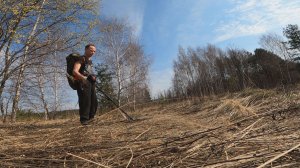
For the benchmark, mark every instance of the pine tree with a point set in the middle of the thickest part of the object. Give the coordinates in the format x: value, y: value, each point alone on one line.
x: 104, y: 84
x: 292, y: 33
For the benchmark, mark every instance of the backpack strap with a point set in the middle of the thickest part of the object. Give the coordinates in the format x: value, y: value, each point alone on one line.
x: 84, y: 63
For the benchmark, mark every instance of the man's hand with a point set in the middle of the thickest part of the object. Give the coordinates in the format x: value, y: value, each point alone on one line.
x: 91, y: 78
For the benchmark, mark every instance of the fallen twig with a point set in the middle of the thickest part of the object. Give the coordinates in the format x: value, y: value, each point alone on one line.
x: 142, y: 133
x: 88, y: 160
x: 130, y: 158
x: 278, y: 156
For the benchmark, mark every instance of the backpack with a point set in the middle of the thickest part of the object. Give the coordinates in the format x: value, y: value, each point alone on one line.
x: 71, y: 59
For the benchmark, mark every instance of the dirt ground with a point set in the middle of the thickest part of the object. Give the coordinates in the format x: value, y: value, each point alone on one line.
x: 248, y: 129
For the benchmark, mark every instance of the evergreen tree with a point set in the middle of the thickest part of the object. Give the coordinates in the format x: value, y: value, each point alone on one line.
x: 104, y: 84
x: 292, y: 33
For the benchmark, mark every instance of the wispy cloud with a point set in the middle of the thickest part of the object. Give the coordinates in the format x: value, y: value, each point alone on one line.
x: 243, y: 5
x: 253, y: 17
x: 130, y: 10
x: 188, y: 20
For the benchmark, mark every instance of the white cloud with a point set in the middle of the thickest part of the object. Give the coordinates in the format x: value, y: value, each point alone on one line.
x: 243, y: 6
x: 161, y: 80
x: 253, y: 17
x: 130, y: 10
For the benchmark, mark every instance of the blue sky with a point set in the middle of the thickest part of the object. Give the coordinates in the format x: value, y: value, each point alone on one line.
x: 163, y: 25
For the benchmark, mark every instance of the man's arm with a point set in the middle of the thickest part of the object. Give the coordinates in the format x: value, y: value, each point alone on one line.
x: 76, y: 72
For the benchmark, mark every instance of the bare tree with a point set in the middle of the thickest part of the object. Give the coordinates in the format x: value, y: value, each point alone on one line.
x: 115, y: 42
x: 138, y: 65
x: 125, y: 59
x: 236, y: 58
x: 25, y: 32
x: 275, y: 44
x: 23, y: 62
x: 184, y: 72
x: 4, y: 105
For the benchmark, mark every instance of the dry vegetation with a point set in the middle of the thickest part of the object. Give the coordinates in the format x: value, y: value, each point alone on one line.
x: 247, y: 129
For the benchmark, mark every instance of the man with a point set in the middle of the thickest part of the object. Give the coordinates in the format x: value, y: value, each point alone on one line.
x: 86, y: 92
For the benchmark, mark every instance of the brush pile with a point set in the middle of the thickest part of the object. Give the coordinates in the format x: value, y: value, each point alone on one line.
x: 255, y: 128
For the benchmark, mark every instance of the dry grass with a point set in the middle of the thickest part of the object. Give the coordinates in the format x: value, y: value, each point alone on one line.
x: 248, y: 129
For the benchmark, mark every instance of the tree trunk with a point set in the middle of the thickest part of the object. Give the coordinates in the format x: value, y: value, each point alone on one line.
x: 2, y: 110
x: 22, y: 69
x: 42, y: 96
x: 119, y: 79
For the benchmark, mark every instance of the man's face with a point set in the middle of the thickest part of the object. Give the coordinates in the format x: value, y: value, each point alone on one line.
x: 89, y: 52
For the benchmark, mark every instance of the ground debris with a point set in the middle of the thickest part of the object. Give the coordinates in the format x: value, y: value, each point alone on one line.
x: 241, y: 130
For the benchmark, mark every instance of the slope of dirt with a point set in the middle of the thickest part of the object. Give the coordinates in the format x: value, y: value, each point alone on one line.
x: 246, y: 129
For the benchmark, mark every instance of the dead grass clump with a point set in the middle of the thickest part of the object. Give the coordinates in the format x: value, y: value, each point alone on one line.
x: 234, y: 109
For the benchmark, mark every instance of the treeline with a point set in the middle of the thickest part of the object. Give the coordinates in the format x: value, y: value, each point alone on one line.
x: 210, y: 70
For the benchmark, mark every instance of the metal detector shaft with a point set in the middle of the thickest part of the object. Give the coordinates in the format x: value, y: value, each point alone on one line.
x: 110, y: 99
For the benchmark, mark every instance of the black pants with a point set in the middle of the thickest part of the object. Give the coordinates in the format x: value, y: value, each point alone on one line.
x: 87, y: 101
